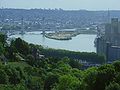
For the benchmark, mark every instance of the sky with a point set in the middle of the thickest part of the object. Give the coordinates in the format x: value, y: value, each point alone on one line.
x: 64, y: 4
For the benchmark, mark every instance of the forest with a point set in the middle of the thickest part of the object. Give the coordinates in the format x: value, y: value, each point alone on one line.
x: 26, y: 66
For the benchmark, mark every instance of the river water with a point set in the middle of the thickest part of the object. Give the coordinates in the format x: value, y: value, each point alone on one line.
x: 82, y: 42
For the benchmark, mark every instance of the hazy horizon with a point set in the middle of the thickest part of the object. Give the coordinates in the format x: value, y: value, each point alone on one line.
x: 63, y: 4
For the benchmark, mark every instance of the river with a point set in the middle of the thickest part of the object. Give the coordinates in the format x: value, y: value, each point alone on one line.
x: 82, y: 42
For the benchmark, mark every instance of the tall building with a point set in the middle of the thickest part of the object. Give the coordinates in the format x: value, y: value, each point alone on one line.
x: 109, y: 43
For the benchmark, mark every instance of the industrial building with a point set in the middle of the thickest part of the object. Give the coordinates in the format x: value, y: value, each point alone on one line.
x: 108, y: 44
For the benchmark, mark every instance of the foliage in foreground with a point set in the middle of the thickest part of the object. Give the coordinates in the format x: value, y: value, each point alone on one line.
x: 22, y: 68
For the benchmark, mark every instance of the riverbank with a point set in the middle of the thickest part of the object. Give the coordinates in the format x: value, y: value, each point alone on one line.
x: 62, y: 35
x: 81, y: 42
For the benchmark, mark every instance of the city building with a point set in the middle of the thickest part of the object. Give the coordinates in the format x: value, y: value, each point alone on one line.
x: 109, y: 43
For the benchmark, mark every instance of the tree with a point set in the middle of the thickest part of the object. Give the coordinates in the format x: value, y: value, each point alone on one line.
x: 31, y: 60
x: 3, y: 77
x: 1, y: 49
x: 75, y: 63
x: 68, y: 82
x: 21, y: 46
x: 116, y: 64
x: 14, y: 75
x: 34, y: 83
x: 2, y: 38
x: 113, y: 86
x: 89, y: 78
x: 50, y: 81
x: 106, y: 74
